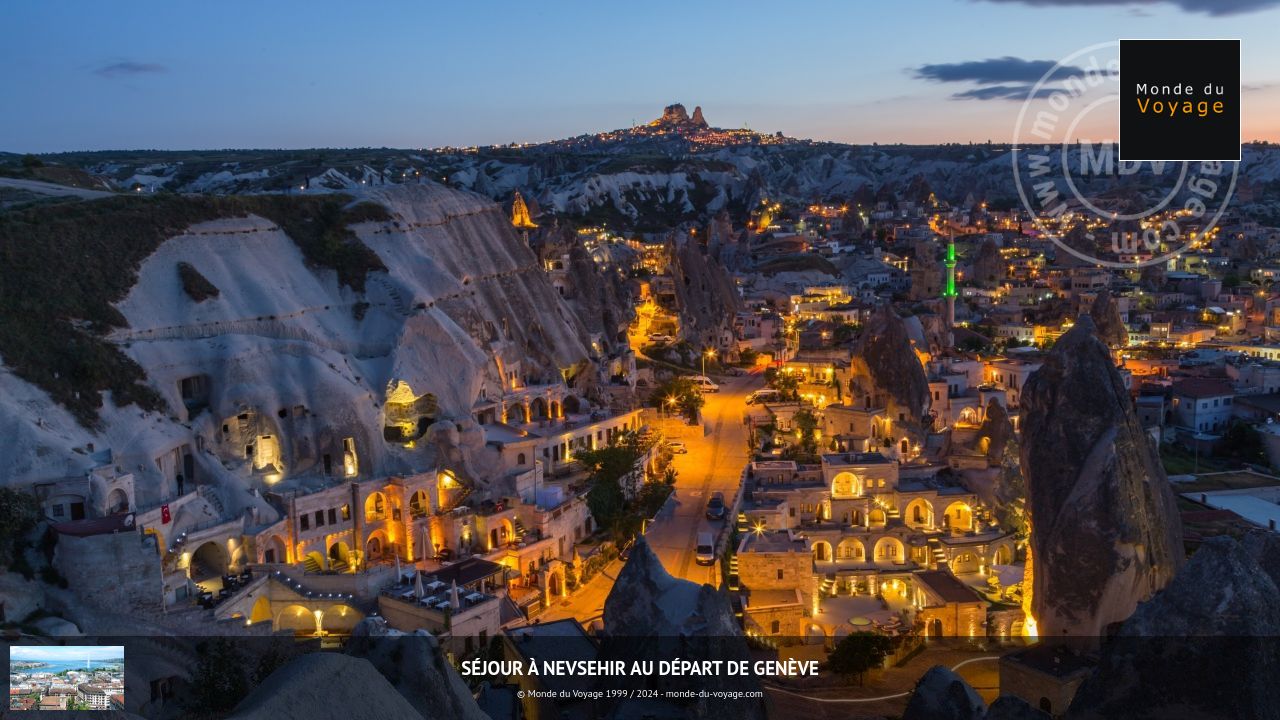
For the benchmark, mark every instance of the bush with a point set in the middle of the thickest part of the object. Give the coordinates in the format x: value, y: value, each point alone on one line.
x: 197, y: 286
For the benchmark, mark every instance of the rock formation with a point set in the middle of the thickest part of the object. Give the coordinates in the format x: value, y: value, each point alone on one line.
x: 988, y: 266
x: 1105, y: 530
x: 706, y: 296
x: 885, y: 362
x: 650, y: 615
x: 1204, y: 647
x: 697, y: 120
x: 943, y: 695
x: 327, y: 686
x: 415, y: 666
x: 1106, y: 317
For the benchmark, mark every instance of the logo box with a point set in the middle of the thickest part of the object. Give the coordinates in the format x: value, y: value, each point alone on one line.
x: 1180, y: 100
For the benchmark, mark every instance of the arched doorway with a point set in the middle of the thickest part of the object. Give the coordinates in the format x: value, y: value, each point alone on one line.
x: 876, y: 518
x: 1003, y: 555
x: 297, y: 619
x: 419, y: 505
x: 814, y: 635
x: 375, y: 507
x: 275, y: 551
x: 850, y: 549
x: 572, y: 404
x: 376, y: 546
x: 959, y: 516
x: 919, y: 514
x: 538, y: 409
x: 340, y: 619
x: 117, y: 501
x: 889, y: 549
x: 935, y: 628
x: 209, y: 562
x: 822, y: 551
x: 339, y: 556
x: 314, y: 562
x: 261, y: 611
x: 844, y: 484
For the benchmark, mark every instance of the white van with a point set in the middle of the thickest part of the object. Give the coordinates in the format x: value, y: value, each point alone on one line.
x: 703, y: 383
x: 706, y: 550
x: 763, y: 396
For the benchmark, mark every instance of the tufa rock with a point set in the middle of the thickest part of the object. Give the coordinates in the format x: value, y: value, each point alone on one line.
x: 1203, y: 647
x: 325, y: 686
x: 416, y: 668
x: 885, y: 359
x: 941, y: 694
x: 1106, y: 317
x: 1105, y: 530
x: 988, y: 266
x: 650, y: 615
x: 697, y: 119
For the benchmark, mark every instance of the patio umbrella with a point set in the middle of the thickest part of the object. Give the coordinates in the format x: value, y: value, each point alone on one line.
x: 417, y: 585
x: 453, y: 595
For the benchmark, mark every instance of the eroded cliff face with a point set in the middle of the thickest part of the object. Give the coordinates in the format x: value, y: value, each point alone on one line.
x: 705, y: 294
x: 1105, y: 530
x: 1106, y: 317
x: 287, y: 369
x: 1206, y: 646
x: 884, y: 361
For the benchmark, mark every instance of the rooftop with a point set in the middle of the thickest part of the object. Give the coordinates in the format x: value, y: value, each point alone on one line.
x: 1202, y: 388
x: 945, y: 586
x: 867, y: 458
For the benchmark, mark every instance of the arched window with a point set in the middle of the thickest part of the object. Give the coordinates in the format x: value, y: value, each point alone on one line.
x: 1046, y: 705
x: 520, y: 459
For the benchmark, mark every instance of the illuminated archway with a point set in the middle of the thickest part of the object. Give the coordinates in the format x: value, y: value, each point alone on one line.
x: 117, y: 501
x: 341, y: 619
x: 210, y: 560
x: 375, y: 507
x: 845, y: 485
x: 261, y: 611
x: 959, y: 516
x: 876, y: 518
x: 297, y: 619
x: 1003, y: 555
x: 814, y: 634
x: 275, y: 551
x: 419, y: 505
x: 889, y: 549
x: 822, y: 551
x: 850, y: 549
x: 919, y: 514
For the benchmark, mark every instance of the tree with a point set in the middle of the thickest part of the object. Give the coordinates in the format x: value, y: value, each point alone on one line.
x: 679, y: 393
x: 857, y: 653
x: 787, y: 384
x: 219, y: 683
x: 19, y: 512
x: 1243, y: 443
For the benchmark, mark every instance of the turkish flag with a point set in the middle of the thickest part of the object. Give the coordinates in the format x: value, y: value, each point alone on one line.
x: 164, y: 514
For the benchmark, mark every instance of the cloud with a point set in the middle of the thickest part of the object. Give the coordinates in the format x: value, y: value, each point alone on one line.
x: 65, y: 653
x: 1208, y: 7
x: 1004, y: 78
x: 1001, y: 92
x: 120, y: 68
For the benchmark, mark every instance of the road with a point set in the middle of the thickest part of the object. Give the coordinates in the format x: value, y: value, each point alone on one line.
x: 717, y: 454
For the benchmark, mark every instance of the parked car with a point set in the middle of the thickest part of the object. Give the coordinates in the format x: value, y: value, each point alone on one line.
x: 706, y: 549
x: 715, y: 507
x: 659, y: 338
x: 676, y: 447
x: 765, y: 395
x: 703, y: 383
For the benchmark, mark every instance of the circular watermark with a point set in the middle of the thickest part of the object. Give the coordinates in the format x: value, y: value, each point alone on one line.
x: 1083, y: 197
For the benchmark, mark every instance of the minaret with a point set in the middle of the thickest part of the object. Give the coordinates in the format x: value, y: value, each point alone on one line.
x: 950, y: 292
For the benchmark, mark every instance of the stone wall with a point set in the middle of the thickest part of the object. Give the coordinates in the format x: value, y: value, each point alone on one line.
x: 759, y: 570
x: 117, y: 571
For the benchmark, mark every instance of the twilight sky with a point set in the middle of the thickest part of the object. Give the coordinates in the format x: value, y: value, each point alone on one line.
x: 88, y: 75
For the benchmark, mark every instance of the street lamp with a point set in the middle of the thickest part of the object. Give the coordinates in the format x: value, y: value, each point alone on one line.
x: 710, y: 353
